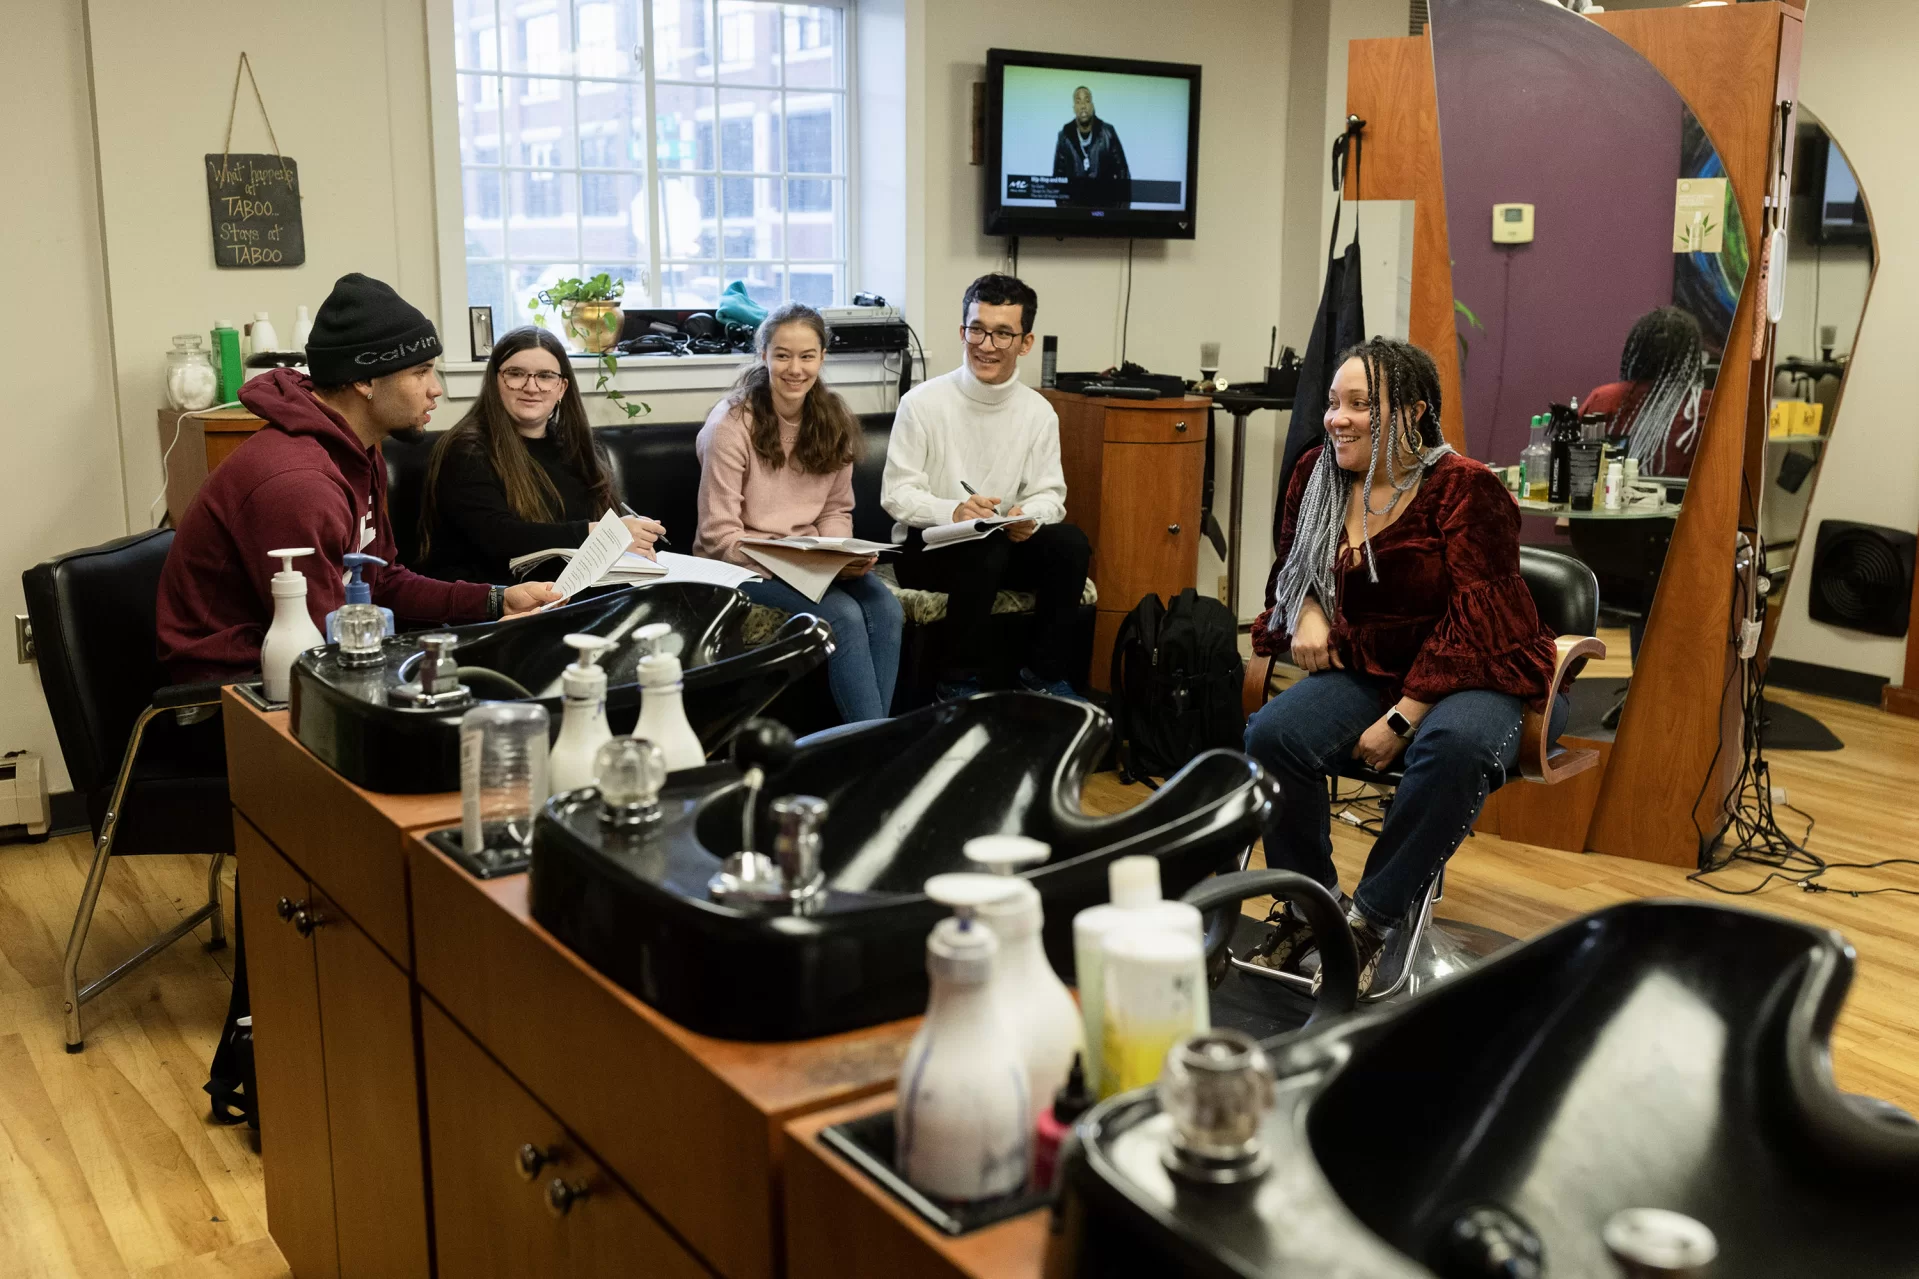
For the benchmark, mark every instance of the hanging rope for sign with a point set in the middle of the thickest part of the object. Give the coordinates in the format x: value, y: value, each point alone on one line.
x: 254, y: 200
x: 233, y: 103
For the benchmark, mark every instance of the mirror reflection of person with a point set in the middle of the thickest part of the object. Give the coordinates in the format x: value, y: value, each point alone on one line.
x: 1655, y: 410
x: 1089, y: 155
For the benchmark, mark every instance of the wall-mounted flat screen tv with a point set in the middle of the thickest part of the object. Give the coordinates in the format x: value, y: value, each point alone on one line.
x: 1090, y: 146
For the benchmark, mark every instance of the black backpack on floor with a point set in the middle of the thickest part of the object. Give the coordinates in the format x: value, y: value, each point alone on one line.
x: 1175, y: 684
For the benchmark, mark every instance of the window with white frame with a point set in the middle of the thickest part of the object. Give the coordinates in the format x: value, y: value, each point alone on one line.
x: 744, y: 177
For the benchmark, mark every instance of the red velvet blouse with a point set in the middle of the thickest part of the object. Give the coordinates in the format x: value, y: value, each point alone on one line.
x: 1450, y: 611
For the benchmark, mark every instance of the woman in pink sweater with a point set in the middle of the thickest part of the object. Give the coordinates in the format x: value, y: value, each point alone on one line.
x: 776, y: 460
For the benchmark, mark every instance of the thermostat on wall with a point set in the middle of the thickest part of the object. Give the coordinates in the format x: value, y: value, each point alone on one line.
x: 1512, y: 224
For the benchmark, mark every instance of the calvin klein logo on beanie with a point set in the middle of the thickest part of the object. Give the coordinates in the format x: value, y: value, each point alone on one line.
x: 365, y: 330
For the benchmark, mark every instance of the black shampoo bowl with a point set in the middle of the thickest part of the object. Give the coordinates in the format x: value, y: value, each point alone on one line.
x: 905, y: 796
x: 1656, y: 1054
x: 343, y: 716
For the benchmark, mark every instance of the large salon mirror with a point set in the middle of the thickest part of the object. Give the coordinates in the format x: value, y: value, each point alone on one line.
x: 1598, y: 259
x: 1828, y: 276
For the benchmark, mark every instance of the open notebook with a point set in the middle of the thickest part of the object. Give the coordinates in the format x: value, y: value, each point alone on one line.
x: 604, y: 560
x: 809, y: 564
x: 967, y: 530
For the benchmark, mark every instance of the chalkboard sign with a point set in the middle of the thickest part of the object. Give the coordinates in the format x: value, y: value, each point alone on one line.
x: 254, y: 202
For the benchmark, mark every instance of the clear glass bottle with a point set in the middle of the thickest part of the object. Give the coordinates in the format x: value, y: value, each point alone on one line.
x: 191, y: 381
x: 503, y: 748
x: 1536, y: 462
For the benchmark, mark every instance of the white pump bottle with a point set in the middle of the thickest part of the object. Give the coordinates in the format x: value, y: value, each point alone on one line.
x: 292, y: 631
x: 1038, y: 1008
x: 583, y: 728
x: 963, y: 1127
x: 1134, y: 885
x: 662, y: 714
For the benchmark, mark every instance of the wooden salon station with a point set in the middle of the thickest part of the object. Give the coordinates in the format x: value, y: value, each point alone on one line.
x: 447, y: 1090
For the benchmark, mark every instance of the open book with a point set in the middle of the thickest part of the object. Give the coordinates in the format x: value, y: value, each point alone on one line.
x: 604, y: 560
x: 809, y: 564
x: 967, y: 530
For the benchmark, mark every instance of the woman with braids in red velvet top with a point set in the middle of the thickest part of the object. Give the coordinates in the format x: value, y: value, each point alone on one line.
x: 1397, y: 590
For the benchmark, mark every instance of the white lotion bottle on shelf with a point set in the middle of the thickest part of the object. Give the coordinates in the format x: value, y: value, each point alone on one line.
x: 302, y: 329
x: 1036, y: 1004
x: 963, y: 1129
x: 292, y: 632
x: 1133, y: 883
x: 265, y: 338
x: 662, y: 714
x: 583, y: 728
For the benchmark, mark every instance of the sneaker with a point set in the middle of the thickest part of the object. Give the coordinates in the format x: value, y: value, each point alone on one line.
x: 1370, y: 942
x: 955, y: 690
x: 1290, y: 941
x: 1057, y: 687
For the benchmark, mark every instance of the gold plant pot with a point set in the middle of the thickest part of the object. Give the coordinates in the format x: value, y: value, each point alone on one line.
x: 594, y: 325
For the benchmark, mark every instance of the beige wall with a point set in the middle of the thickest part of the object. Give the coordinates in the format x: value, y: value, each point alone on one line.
x: 1856, y: 73
x: 59, y: 440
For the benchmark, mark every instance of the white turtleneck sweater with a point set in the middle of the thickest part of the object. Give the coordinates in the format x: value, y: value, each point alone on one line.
x: 1002, y: 439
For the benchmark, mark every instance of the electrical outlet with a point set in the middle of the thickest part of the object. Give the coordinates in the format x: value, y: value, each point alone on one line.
x: 1223, y: 580
x: 23, y: 638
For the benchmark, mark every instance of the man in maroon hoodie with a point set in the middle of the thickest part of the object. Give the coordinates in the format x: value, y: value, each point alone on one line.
x: 313, y: 476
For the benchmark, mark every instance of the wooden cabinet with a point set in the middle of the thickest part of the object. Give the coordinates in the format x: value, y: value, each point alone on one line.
x: 514, y: 1193
x: 198, y: 444
x: 340, y: 1105
x: 1134, y: 470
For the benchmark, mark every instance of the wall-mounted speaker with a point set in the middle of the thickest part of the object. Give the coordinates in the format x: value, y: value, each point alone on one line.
x: 1862, y: 577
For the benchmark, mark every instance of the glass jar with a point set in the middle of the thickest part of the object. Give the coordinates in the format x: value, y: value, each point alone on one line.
x: 503, y: 749
x: 191, y: 381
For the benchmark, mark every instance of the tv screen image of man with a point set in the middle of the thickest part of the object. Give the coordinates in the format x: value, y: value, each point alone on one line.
x: 1089, y: 156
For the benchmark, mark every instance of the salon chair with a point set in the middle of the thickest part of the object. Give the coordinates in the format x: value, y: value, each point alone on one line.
x: 94, y: 629
x: 1423, y: 951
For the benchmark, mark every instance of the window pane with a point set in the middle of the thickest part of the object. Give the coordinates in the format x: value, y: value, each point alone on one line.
x: 813, y: 131
x: 689, y: 284
x: 811, y: 195
x: 485, y: 286
x: 685, y: 127
x: 682, y: 39
x: 479, y: 97
x: 485, y: 235
x: 815, y: 218
x: 750, y: 130
x: 611, y: 125
x: 541, y: 216
x: 539, y: 37
x: 539, y: 123
x: 752, y: 221
x: 688, y: 225
x: 613, y: 216
x: 608, y: 38
x: 749, y: 42
x: 763, y: 280
x: 633, y: 273
x: 816, y: 286
x: 812, y: 47
x: 476, y: 44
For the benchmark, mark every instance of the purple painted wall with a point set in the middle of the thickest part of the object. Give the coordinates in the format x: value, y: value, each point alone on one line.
x: 1539, y: 106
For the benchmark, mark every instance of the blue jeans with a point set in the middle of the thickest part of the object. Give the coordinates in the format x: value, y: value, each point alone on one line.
x: 866, y: 622
x: 1463, y: 751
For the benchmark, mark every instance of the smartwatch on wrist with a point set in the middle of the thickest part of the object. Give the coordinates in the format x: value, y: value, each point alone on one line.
x: 1399, y: 723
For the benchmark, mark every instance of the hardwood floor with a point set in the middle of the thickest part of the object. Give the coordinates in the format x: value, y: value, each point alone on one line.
x: 109, y: 1167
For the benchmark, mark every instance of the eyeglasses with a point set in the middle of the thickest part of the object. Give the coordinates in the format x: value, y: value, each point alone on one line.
x: 1002, y: 338
x: 516, y: 379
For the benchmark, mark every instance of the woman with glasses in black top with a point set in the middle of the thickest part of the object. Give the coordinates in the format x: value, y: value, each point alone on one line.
x: 520, y: 473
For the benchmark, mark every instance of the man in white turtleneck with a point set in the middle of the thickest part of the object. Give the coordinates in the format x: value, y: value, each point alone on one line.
x: 964, y: 445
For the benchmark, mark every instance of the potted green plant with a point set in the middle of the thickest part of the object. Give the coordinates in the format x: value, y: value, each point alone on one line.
x: 590, y: 311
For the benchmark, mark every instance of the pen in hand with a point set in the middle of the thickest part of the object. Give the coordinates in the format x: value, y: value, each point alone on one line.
x: 659, y: 541
x: 973, y: 492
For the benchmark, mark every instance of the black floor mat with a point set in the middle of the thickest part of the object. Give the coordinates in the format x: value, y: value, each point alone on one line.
x: 1786, y: 729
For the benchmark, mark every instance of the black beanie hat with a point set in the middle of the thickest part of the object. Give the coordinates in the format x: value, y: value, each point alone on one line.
x: 365, y: 330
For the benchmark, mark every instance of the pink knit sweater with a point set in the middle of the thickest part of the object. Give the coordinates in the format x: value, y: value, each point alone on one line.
x: 740, y: 496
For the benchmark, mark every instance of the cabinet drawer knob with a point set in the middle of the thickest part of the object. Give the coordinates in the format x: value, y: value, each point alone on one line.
x: 529, y: 1159
x: 306, y: 920
x: 1179, y: 426
x: 287, y: 907
x: 561, y: 1196
x: 1173, y: 529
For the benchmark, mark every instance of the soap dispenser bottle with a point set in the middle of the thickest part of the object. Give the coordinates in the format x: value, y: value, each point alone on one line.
x: 1037, y: 1006
x: 662, y: 713
x: 963, y: 1130
x: 1133, y: 883
x: 292, y: 631
x: 302, y: 329
x: 583, y: 728
x: 357, y: 592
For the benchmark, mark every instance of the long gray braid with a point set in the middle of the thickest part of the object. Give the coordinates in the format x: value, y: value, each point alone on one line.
x: 1398, y: 376
x: 1664, y: 355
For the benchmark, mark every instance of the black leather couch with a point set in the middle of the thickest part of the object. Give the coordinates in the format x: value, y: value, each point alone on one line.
x: 657, y: 473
